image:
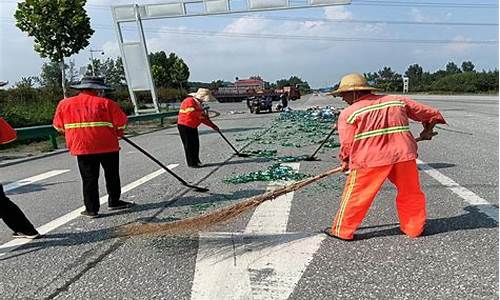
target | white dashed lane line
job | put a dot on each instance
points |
(33, 179)
(16, 243)
(470, 197)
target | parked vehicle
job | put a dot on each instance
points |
(293, 92)
(258, 104)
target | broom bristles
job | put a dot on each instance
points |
(198, 223)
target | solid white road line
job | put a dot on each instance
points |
(33, 179)
(272, 216)
(482, 205)
(264, 262)
(9, 246)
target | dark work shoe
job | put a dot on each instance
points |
(89, 214)
(31, 235)
(196, 166)
(121, 205)
(328, 231)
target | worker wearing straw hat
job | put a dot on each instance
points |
(376, 144)
(191, 115)
(92, 126)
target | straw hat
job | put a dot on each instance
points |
(91, 83)
(204, 95)
(353, 82)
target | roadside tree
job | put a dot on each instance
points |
(60, 28)
(467, 66)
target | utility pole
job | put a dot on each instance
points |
(92, 58)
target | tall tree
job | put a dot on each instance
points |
(452, 68)
(168, 71)
(26, 82)
(386, 79)
(51, 75)
(72, 72)
(215, 84)
(160, 68)
(179, 72)
(112, 71)
(467, 66)
(60, 28)
(415, 74)
(115, 73)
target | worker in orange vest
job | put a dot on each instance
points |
(92, 126)
(10, 213)
(376, 144)
(191, 115)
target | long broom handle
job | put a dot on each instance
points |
(224, 137)
(228, 142)
(155, 160)
(327, 138)
(218, 215)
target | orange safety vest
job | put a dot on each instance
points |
(7, 133)
(91, 124)
(375, 131)
(191, 114)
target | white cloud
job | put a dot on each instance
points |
(213, 57)
(337, 12)
(417, 15)
(458, 47)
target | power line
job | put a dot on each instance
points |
(353, 21)
(424, 4)
(374, 3)
(298, 37)
(294, 37)
(299, 19)
(305, 37)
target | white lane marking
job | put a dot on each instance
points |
(272, 216)
(33, 179)
(16, 243)
(482, 205)
(251, 266)
(264, 262)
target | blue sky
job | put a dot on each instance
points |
(319, 62)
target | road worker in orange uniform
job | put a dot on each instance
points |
(92, 126)
(376, 144)
(191, 115)
(10, 213)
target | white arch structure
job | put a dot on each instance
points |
(135, 54)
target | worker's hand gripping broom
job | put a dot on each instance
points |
(201, 222)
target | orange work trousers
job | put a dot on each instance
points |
(362, 186)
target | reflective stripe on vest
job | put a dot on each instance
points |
(383, 131)
(88, 124)
(366, 109)
(187, 110)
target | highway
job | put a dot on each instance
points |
(276, 251)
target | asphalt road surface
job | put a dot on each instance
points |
(276, 251)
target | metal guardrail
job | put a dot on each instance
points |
(44, 131)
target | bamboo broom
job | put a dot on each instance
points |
(204, 221)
